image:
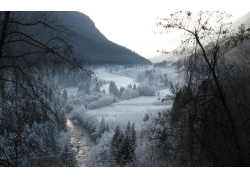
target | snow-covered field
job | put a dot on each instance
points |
(143, 103)
(140, 104)
(120, 81)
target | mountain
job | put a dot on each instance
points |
(243, 20)
(170, 57)
(90, 43)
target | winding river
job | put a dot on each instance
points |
(80, 141)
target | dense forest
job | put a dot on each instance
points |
(205, 120)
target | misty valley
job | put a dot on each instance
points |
(70, 97)
(114, 100)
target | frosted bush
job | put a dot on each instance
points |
(100, 154)
(68, 108)
(146, 90)
(129, 93)
(103, 101)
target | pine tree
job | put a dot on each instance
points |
(65, 95)
(68, 158)
(97, 88)
(113, 88)
(133, 140)
(165, 76)
(146, 117)
(123, 146)
(129, 86)
(107, 128)
(80, 88)
(100, 129)
(134, 87)
(129, 144)
(121, 90)
(117, 148)
(87, 91)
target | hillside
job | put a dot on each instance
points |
(90, 43)
(243, 20)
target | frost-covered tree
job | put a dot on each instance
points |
(129, 93)
(65, 95)
(122, 89)
(100, 129)
(145, 90)
(129, 86)
(97, 88)
(134, 87)
(129, 145)
(100, 154)
(146, 117)
(32, 49)
(113, 88)
(117, 151)
(68, 157)
(101, 102)
(123, 146)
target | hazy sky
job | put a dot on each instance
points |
(131, 23)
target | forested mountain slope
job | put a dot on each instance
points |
(90, 43)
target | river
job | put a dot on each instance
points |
(80, 140)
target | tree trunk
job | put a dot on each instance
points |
(4, 31)
(222, 98)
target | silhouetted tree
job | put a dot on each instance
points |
(31, 48)
(134, 87)
(203, 116)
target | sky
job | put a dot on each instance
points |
(135, 28)
(131, 23)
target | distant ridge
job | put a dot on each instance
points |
(243, 20)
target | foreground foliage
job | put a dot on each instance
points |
(32, 122)
(209, 121)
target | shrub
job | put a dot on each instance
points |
(146, 90)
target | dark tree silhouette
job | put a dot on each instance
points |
(32, 48)
(205, 43)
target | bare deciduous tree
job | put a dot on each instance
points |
(205, 42)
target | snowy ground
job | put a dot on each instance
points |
(135, 105)
(120, 81)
